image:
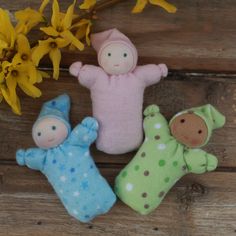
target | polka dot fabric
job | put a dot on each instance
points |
(159, 163)
(72, 172)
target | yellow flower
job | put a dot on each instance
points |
(41, 75)
(14, 74)
(61, 24)
(84, 27)
(87, 4)
(23, 56)
(29, 18)
(50, 46)
(140, 5)
(7, 33)
(16, 108)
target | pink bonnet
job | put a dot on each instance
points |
(103, 39)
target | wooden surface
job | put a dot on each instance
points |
(198, 45)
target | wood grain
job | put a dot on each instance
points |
(200, 38)
(28, 204)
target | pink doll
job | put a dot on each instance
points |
(117, 89)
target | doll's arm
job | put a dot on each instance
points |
(85, 133)
(86, 74)
(199, 161)
(34, 158)
(155, 124)
(151, 74)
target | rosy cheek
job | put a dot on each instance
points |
(195, 142)
(60, 135)
(41, 142)
(174, 129)
(125, 64)
(106, 63)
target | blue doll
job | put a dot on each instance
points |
(63, 156)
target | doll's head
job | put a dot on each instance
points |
(49, 132)
(193, 127)
(116, 53)
(52, 126)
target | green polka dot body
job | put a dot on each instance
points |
(159, 163)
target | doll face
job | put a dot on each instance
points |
(190, 130)
(49, 133)
(116, 59)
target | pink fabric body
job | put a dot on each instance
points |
(117, 92)
(117, 105)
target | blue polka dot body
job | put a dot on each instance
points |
(69, 166)
(77, 181)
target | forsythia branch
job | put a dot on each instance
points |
(20, 58)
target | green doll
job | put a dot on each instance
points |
(169, 152)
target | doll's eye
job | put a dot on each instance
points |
(182, 120)
(54, 127)
(109, 54)
(199, 131)
(39, 133)
(125, 54)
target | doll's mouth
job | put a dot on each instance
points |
(51, 140)
(116, 65)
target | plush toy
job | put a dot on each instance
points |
(64, 157)
(168, 153)
(117, 89)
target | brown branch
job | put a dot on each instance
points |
(101, 5)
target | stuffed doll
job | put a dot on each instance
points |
(63, 157)
(117, 88)
(168, 153)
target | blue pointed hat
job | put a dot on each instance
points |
(58, 108)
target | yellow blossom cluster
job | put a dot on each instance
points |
(19, 60)
(60, 35)
(17, 68)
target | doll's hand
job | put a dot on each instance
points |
(90, 123)
(211, 162)
(164, 69)
(151, 110)
(199, 161)
(88, 130)
(20, 157)
(85, 133)
(75, 68)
